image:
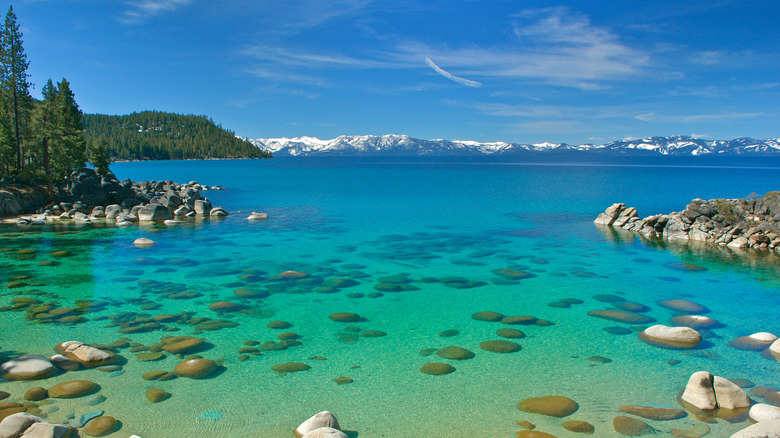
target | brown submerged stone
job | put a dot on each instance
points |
(290, 367)
(510, 333)
(156, 395)
(533, 434)
(182, 344)
(345, 317)
(551, 405)
(487, 316)
(279, 324)
(454, 353)
(621, 316)
(73, 389)
(101, 426)
(437, 368)
(518, 320)
(579, 426)
(195, 368)
(631, 426)
(500, 346)
(36, 394)
(653, 412)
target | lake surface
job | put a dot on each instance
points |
(452, 234)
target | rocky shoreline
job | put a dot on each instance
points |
(752, 222)
(86, 197)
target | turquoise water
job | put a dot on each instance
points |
(364, 219)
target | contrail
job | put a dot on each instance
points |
(450, 76)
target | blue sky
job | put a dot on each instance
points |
(518, 71)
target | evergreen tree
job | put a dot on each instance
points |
(13, 81)
(72, 151)
(46, 131)
(98, 156)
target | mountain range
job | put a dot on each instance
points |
(406, 145)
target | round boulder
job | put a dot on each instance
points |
(675, 338)
(143, 242)
(28, 367)
(755, 342)
(764, 412)
(326, 432)
(316, 421)
(36, 394)
(156, 395)
(195, 368)
(510, 333)
(551, 405)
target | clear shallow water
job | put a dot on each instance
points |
(367, 219)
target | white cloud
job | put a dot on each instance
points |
(450, 76)
(142, 10)
(553, 46)
(696, 118)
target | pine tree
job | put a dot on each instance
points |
(98, 156)
(74, 146)
(13, 81)
(46, 130)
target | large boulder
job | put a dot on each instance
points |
(552, 405)
(13, 426)
(610, 215)
(764, 429)
(46, 430)
(729, 395)
(202, 206)
(316, 421)
(700, 392)
(154, 212)
(762, 412)
(670, 337)
(28, 367)
(326, 432)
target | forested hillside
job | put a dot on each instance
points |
(154, 135)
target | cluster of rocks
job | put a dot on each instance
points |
(708, 393)
(735, 223)
(87, 197)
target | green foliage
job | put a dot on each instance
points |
(729, 210)
(98, 156)
(155, 135)
(14, 92)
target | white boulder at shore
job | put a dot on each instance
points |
(27, 367)
(316, 421)
(707, 392)
(729, 395)
(764, 429)
(762, 412)
(326, 432)
(775, 349)
(15, 425)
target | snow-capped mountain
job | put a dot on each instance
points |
(405, 145)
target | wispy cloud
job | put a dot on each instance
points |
(547, 46)
(450, 76)
(696, 118)
(141, 10)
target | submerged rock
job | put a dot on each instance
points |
(195, 368)
(631, 426)
(670, 337)
(437, 368)
(551, 405)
